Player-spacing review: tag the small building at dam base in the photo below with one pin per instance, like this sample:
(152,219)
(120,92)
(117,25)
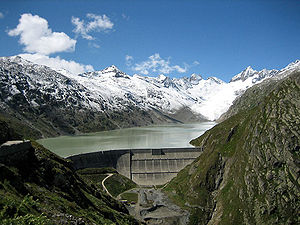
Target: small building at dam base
(143,166)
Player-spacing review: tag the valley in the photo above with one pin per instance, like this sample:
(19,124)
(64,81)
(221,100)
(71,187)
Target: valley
(254,148)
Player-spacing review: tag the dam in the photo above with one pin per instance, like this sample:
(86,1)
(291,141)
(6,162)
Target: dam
(143,166)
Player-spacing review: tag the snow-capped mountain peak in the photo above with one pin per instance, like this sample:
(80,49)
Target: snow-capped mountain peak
(161,77)
(245,74)
(293,65)
(195,78)
(111,68)
(216,80)
(111,71)
(166,81)
(17,59)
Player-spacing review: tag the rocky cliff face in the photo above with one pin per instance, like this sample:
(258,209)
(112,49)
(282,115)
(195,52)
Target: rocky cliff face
(249,170)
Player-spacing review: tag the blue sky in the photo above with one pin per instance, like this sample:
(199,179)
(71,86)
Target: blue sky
(212,38)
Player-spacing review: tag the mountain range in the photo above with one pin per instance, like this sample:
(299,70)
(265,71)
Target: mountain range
(53,102)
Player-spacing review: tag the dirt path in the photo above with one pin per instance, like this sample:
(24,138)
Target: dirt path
(103,185)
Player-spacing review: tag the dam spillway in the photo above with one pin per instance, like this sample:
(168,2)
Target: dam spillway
(143,166)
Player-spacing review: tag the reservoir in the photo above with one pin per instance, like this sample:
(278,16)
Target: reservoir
(162,136)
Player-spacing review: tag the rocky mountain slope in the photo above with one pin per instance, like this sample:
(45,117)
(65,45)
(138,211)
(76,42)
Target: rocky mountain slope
(249,171)
(38,187)
(48,103)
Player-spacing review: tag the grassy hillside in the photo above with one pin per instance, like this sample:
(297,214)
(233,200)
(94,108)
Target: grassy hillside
(38,187)
(116,184)
(249,170)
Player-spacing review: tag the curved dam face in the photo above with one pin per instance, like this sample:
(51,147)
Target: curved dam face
(143,166)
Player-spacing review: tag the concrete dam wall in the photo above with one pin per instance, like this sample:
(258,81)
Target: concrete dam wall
(143,166)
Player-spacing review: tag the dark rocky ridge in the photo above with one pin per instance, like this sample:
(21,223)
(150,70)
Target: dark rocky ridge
(249,170)
(7,133)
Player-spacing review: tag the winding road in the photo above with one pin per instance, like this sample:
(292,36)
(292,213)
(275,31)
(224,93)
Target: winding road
(103,185)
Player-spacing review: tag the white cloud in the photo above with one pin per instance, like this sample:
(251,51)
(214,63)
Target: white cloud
(1,15)
(93,45)
(155,63)
(80,28)
(128,59)
(57,63)
(125,17)
(38,37)
(97,23)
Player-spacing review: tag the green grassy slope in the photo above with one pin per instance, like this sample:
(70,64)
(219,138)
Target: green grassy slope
(116,184)
(249,170)
(41,188)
